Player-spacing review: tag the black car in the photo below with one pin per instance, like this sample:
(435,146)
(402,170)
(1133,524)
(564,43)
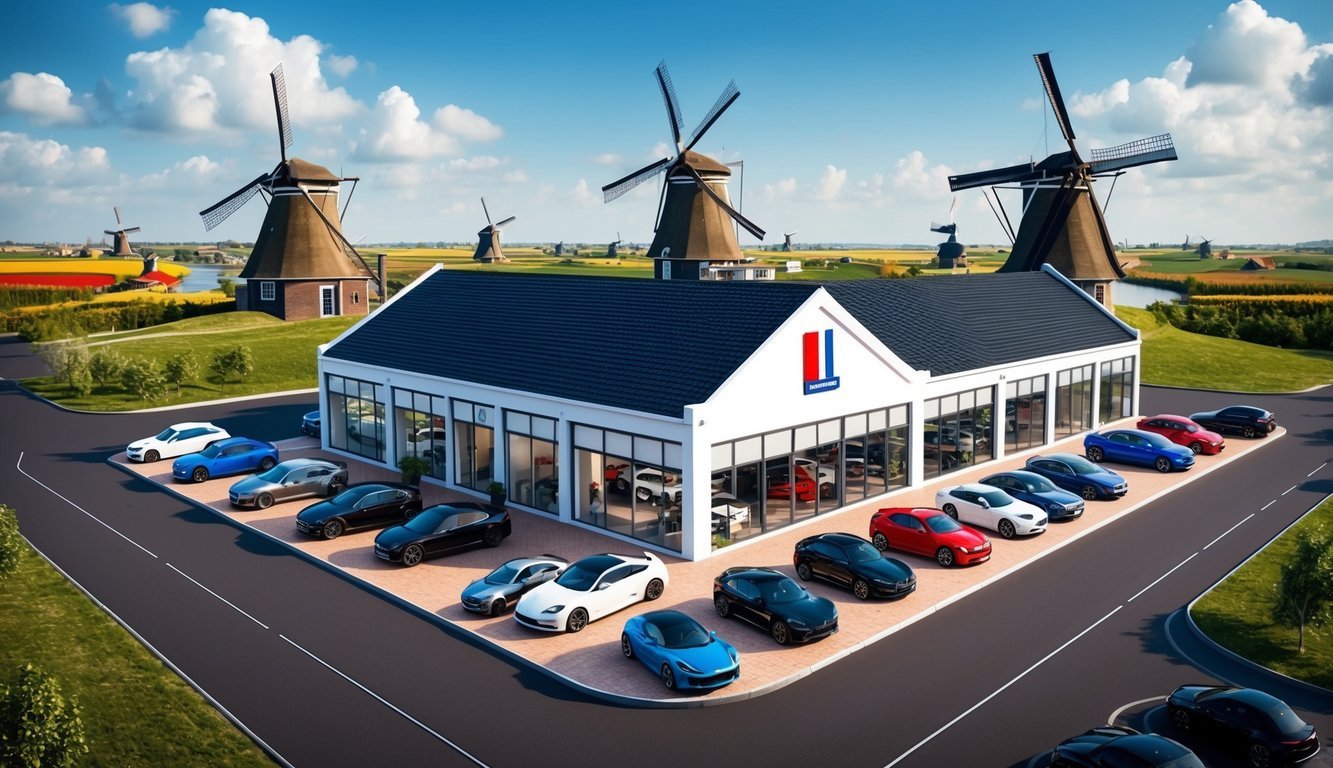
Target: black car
(775,603)
(442,529)
(852,562)
(1115,745)
(310,424)
(1244,420)
(1262,726)
(364,505)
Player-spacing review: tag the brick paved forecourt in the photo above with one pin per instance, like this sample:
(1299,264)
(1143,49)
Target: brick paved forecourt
(591,660)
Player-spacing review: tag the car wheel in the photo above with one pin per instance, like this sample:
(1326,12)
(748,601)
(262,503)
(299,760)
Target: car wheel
(264,500)
(412,555)
(410,513)
(1197,447)
(151,457)
(722,605)
(1181,719)
(861,588)
(944,556)
(493,536)
(781,632)
(881,542)
(622,484)
(1088,492)
(951,511)
(653,590)
(1162,464)
(1260,756)
(625,647)
(333,529)
(1006,529)
(1248,433)
(199,475)
(1096,454)
(803,570)
(578,619)
(826,491)
(497,606)
(642,494)
(266,463)
(668,677)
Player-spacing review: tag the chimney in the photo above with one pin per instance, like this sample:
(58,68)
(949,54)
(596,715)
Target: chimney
(149,265)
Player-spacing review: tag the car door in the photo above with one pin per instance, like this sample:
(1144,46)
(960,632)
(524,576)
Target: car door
(369,509)
(907,533)
(296,484)
(965,503)
(830,563)
(619,586)
(235,458)
(445,535)
(1057,472)
(746,602)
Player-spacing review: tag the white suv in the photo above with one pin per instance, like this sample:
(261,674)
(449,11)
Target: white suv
(823,475)
(652,485)
(176,440)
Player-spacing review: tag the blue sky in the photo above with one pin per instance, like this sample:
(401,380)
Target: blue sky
(851,116)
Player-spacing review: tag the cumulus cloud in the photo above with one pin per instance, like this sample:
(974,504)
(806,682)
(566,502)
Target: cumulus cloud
(466,124)
(43,97)
(190,173)
(607,158)
(395,132)
(917,177)
(1248,47)
(143,19)
(581,195)
(478,163)
(342,66)
(26,163)
(783,188)
(829,187)
(515,177)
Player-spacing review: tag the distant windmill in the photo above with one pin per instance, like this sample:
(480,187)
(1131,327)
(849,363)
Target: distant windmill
(786,239)
(694,213)
(611,247)
(560,248)
(1062,222)
(121,240)
(488,239)
(1186,245)
(951,253)
(1205,248)
(301,265)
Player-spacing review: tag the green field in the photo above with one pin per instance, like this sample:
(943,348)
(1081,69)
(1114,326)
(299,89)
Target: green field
(1182,264)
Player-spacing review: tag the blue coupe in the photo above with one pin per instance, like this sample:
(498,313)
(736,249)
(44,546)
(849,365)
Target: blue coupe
(677,648)
(1075,473)
(1039,492)
(1135,446)
(233,456)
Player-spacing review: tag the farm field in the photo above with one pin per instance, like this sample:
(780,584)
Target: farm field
(1177,265)
(64,272)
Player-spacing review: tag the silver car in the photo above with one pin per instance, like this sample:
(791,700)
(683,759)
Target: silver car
(291,479)
(501,588)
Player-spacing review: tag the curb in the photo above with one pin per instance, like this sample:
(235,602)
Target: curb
(1307,390)
(180,406)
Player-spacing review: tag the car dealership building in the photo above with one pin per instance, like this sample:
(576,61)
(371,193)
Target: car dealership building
(685,416)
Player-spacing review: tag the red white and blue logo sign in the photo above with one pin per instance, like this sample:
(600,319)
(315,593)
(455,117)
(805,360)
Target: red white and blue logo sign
(817,354)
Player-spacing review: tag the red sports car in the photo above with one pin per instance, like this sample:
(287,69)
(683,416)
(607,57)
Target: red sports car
(929,532)
(780,485)
(1183,431)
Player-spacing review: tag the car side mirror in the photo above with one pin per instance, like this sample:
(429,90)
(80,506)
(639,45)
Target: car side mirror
(602,586)
(984,504)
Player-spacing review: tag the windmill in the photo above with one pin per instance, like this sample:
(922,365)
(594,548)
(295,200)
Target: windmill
(120,236)
(951,253)
(1205,248)
(488,239)
(559,247)
(1062,222)
(786,239)
(301,265)
(694,221)
(1186,245)
(611,248)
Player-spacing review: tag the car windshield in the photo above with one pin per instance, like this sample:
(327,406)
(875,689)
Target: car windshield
(1038,484)
(863,553)
(275,474)
(503,575)
(778,591)
(1192,428)
(583,574)
(351,496)
(680,631)
(997,498)
(942,524)
(427,521)
(210,451)
(1082,466)
(166,434)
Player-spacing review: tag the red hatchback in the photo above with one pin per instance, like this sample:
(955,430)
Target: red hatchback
(780,485)
(929,532)
(1182,431)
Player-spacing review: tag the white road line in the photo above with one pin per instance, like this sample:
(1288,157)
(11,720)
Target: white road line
(1269,504)
(1121,710)
(220,597)
(1289,490)
(1321,466)
(1002,688)
(19,467)
(1232,528)
(1163,576)
(386,703)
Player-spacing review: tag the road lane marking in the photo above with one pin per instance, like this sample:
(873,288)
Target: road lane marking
(1269,504)
(1316,469)
(1163,576)
(220,597)
(19,467)
(1289,490)
(1232,528)
(390,705)
(1120,711)
(1002,688)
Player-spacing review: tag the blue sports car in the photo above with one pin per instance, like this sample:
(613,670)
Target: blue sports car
(1135,446)
(679,649)
(233,456)
(1077,474)
(1039,492)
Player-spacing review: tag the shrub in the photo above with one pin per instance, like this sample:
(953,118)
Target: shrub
(236,361)
(11,543)
(104,367)
(68,362)
(38,725)
(142,378)
(181,368)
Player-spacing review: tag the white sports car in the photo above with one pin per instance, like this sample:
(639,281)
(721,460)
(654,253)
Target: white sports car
(175,440)
(989,507)
(591,588)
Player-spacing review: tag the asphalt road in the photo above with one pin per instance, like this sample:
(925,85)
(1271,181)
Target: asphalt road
(325,673)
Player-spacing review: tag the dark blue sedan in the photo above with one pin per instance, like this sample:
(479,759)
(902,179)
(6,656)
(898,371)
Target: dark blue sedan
(233,456)
(1075,473)
(1135,446)
(679,650)
(1038,491)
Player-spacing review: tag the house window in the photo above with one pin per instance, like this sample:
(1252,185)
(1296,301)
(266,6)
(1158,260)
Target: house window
(326,302)
(1099,293)
(268,291)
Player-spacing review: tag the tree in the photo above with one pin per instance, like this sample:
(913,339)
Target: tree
(142,378)
(68,361)
(181,368)
(1305,589)
(38,725)
(104,367)
(235,361)
(11,543)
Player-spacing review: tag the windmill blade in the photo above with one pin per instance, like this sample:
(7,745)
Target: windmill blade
(947,229)
(338,236)
(111,231)
(621,186)
(1154,149)
(672,103)
(1014,173)
(728,97)
(748,225)
(953,206)
(280,104)
(221,210)
(488,213)
(507,221)
(131,229)
(116,208)
(1057,101)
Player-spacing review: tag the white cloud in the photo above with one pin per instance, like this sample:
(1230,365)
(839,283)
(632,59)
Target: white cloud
(660,150)
(914,175)
(188,174)
(394,131)
(42,97)
(1248,47)
(144,19)
(581,195)
(783,188)
(830,185)
(26,163)
(515,177)
(342,66)
(466,124)
(607,158)
(478,163)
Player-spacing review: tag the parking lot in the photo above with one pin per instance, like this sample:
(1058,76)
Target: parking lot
(591,659)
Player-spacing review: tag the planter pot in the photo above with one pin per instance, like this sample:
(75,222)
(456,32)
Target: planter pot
(497,499)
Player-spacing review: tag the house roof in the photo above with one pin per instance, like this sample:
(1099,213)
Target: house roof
(158,276)
(656,346)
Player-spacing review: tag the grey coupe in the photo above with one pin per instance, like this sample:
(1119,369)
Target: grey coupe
(291,479)
(494,593)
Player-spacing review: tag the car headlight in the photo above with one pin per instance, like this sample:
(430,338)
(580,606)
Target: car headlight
(796,623)
(687,668)
(554,609)
(1025,516)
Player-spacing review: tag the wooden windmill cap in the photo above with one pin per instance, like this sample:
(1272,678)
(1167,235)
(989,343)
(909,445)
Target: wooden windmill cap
(701,163)
(302,170)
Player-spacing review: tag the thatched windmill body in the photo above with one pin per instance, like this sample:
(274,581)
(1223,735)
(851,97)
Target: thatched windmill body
(489,250)
(301,266)
(695,215)
(1062,223)
(120,242)
(611,252)
(1205,248)
(786,239)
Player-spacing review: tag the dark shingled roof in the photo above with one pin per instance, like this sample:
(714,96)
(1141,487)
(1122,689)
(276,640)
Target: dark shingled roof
(656,346)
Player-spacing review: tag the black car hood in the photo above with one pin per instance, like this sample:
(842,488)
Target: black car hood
(395,537)
(810,612)
(887,568)
(319,512)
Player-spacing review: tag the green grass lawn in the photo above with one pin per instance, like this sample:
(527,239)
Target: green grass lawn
(1236,613)
(1172,357)
(136,711)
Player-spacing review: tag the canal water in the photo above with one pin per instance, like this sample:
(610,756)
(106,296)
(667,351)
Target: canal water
(1131,295)
(204,277)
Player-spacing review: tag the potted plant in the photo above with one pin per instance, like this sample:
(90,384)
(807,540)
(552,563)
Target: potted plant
(413,468)
(497,491)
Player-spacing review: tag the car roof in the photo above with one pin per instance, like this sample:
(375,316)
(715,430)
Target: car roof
(753,573)
(306,462)
(233,440)
(1168,416)
(523,562)
(1058,456)
(184,425)
(844,539)
(1021,474)
(1255,698)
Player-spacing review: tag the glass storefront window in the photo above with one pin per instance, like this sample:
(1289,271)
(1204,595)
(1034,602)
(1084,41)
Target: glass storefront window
(1073,401)
(638,487)
(420,429)
(474,444)
(1117,390)
(533,461)
(356,417)
(1025,414)
(958,435)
